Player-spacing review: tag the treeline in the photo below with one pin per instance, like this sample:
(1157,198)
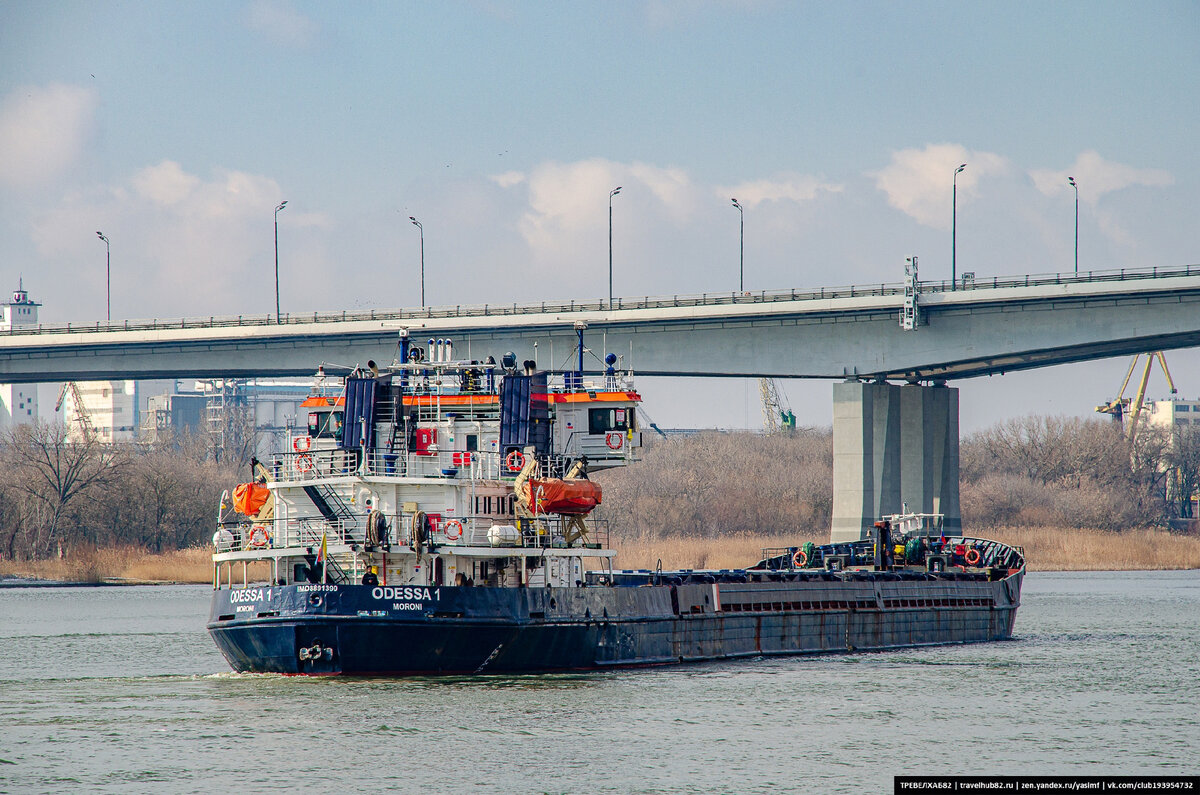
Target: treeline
(57,494)
(1069,472)
(1029,472)
(713,484)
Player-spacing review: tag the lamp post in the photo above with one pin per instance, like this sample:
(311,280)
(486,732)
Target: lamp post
(417,224)
(611,193)
(277,209)
(741,246)
(107,274)
(1076,187)
(954,233)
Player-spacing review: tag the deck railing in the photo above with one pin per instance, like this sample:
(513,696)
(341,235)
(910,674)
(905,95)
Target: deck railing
(602,305)
(547,531)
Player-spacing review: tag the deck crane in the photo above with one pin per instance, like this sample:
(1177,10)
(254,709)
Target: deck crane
(81,412)
(1121,406)
(777,414)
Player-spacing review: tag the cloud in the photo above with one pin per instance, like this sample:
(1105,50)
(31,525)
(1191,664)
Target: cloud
(918,182)
(165,183)
(1097,177)
(565,198)
(784,187)
(281,23)
(508,179)
(42,131)
(182,244)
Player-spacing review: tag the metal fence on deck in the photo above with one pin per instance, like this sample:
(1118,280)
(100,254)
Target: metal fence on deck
(544,532)
(601,305)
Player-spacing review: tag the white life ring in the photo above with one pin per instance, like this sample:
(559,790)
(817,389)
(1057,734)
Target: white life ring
(301,444)
(614,440)
(453,530)
(304,463)
(259,537)
(515,461)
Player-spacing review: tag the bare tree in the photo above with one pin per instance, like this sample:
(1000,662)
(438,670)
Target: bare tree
(1183,458)
(55,473)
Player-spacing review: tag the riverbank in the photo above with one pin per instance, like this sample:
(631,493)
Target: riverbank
(1046,549)
(115,566)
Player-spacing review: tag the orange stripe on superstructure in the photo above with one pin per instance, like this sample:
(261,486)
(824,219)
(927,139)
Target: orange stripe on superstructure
(594,397)
(488,400)
(322,402)
(451,400)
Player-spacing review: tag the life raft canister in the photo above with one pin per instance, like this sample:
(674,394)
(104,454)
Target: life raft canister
(453,530)
(614,440)
(514,461)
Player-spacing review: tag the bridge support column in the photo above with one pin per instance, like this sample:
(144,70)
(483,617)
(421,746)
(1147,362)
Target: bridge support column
(893,445)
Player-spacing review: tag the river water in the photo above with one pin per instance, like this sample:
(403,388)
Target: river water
(121,690)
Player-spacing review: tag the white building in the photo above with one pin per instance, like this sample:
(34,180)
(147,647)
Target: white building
(111,408)
(1173,413)
(18,402)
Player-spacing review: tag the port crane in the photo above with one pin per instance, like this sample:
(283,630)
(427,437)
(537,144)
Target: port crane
(1121,407)
(777,414)
(81,412)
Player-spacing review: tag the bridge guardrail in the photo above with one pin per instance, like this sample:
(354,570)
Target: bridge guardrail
(601,305)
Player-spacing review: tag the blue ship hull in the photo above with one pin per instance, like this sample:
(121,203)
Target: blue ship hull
(402,630)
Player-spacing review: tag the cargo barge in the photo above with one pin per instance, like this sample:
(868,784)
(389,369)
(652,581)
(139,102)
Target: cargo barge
(437,517)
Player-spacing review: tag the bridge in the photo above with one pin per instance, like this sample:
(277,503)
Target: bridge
(893,444)
(983,327)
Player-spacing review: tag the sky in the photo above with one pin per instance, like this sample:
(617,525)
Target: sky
(177,128)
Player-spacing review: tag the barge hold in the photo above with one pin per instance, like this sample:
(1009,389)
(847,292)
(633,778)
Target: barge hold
(436,517)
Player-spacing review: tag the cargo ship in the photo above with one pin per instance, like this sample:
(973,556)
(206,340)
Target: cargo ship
(437,516)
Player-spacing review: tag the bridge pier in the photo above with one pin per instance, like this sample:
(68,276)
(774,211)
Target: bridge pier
(893,446)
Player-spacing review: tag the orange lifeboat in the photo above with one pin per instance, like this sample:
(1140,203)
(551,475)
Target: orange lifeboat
(572,497)
(248,498)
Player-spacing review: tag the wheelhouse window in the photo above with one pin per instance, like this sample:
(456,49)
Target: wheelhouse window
(325,424)
(613,419)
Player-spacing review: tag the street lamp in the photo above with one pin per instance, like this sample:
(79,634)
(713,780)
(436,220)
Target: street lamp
(954,233)
(107,274)
(741,247)
(611,193)
(1076,187)
(417,224)
(277,209)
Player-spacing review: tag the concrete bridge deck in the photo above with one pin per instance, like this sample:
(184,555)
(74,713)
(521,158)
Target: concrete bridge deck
(989,326)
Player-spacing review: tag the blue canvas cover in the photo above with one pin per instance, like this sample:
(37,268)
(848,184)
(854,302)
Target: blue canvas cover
(360,414)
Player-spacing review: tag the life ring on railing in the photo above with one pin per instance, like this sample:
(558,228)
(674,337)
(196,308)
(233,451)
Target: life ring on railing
(259,537)
(614,440)
(453,530)
(799,560)
(304,463)
(973,557)
(515,461)
(301,444)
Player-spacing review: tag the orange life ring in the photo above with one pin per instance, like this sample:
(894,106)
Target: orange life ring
(259,537)
(799,560)
(614,440)
(973,557)
(301,444)
(453,530)
(515,461)
(305,463)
